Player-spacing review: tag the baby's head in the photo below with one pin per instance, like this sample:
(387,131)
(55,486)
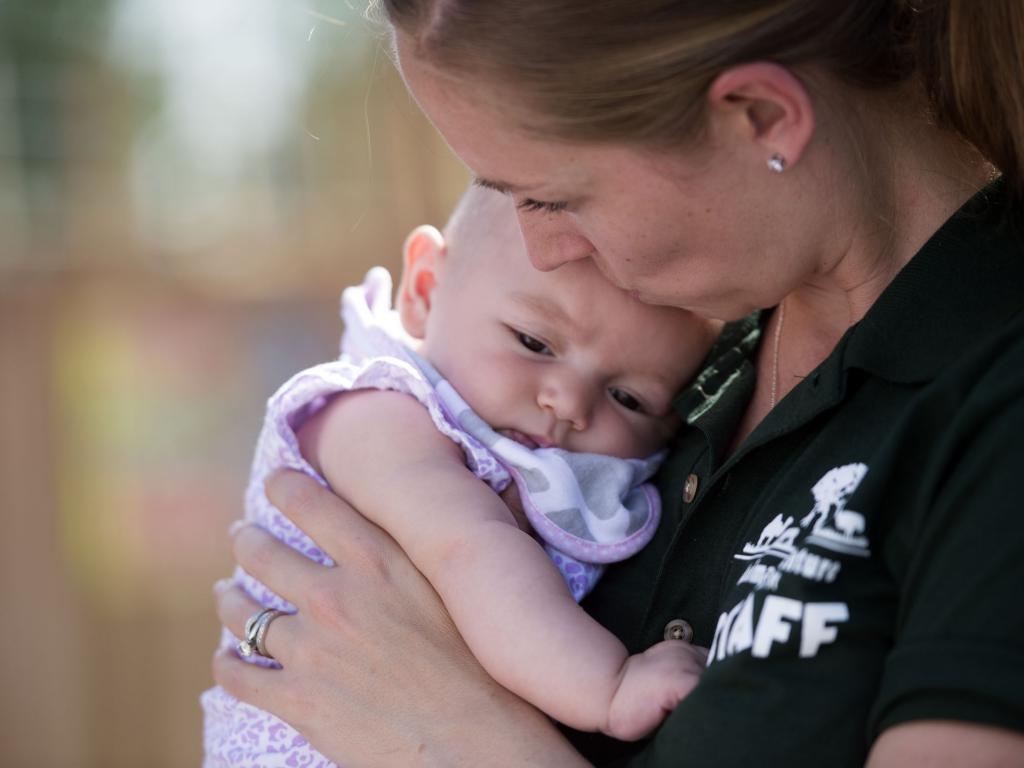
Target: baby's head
(560,358)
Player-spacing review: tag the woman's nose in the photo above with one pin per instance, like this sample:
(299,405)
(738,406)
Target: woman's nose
(551,241)
(568,398)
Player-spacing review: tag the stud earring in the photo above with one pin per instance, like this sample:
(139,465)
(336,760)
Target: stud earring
(777,163)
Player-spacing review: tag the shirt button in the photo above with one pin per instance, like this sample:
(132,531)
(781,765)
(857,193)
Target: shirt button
(677,629)
(690,488)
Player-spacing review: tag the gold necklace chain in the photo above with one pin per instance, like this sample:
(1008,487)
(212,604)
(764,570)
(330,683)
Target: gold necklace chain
(775,352)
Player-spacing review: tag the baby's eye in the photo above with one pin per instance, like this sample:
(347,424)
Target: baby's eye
(532,344)
(625,399)
(528,204)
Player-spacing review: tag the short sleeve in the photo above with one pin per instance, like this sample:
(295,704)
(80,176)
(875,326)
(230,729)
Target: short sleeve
(959,642)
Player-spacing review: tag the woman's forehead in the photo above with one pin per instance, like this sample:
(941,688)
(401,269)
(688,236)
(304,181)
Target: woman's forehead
(477,121)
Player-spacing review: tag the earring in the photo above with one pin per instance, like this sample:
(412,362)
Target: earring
(777,163)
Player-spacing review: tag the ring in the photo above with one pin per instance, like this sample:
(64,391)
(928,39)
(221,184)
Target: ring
(260,631)
(246,646)
(256,633)
(251,622)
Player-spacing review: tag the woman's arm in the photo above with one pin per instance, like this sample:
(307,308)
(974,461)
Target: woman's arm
(374,672)
(947,744)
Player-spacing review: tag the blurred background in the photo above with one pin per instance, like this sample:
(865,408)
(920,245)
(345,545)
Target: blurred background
(185,187)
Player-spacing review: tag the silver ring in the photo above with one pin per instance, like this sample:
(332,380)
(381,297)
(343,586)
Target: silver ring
(251,622)
(261,631)
(255,632)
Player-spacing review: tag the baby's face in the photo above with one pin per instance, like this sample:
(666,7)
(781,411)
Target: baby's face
(560,358)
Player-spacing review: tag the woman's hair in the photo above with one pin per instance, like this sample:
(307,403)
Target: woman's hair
(634,70)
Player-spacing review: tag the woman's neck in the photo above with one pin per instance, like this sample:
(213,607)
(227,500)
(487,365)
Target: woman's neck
(912,179)
(876,230)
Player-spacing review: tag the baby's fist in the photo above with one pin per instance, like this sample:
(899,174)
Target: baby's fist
(652,684)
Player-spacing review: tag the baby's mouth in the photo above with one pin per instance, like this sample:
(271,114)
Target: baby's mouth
(520,437)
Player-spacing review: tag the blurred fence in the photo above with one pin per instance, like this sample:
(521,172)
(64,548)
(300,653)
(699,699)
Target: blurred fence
(184,189)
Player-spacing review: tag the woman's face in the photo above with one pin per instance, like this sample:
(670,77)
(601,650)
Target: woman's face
(687,229)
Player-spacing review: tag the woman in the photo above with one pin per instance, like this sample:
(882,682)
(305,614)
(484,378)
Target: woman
(840,526)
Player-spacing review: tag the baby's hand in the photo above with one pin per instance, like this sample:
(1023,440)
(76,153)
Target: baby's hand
(652,684)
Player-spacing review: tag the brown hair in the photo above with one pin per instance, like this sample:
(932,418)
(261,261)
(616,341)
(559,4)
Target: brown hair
(634,70)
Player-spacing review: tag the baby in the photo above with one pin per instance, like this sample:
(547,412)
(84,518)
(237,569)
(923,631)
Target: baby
(567,384)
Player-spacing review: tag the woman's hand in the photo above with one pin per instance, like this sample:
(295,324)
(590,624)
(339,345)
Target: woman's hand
(374,672)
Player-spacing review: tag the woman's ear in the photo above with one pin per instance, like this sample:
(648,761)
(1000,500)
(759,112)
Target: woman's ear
(422,256)
(766,104)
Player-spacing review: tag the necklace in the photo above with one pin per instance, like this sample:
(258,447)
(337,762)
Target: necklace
(775,352)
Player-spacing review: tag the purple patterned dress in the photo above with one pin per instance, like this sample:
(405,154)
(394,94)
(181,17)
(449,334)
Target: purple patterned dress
(589,510)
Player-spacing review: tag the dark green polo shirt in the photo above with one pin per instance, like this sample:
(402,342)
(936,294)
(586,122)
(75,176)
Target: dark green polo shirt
(859,561)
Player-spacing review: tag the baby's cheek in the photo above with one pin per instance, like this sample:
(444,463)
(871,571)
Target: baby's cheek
(494,389)
(645,437)
(611,433)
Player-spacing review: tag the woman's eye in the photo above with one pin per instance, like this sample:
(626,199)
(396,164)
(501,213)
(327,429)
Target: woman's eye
(529,204)
(533,344)
(624,399)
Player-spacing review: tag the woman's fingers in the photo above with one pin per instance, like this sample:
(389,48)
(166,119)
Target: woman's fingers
(235,608)
(286,571)
(248,682)
(337,528)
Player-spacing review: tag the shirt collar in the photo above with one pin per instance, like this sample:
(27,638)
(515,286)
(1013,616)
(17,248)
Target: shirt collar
(966,280)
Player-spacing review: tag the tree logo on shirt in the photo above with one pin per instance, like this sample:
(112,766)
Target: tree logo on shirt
(783,548)
(829,524)
(833,525)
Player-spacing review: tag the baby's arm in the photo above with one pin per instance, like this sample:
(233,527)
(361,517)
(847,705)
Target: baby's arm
(381,451)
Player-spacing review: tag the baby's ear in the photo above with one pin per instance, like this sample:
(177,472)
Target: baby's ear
(423,254)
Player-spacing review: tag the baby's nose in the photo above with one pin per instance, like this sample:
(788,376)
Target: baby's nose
(569,398)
